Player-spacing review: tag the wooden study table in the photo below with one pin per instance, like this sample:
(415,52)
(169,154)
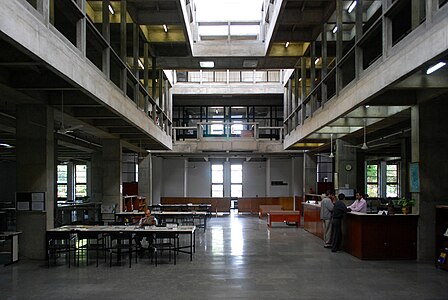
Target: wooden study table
(181,215)
(179,230)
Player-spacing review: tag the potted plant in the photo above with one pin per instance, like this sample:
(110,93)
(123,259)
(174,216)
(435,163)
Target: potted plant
(406,204)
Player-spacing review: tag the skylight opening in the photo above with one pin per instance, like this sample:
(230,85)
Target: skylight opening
(224,11)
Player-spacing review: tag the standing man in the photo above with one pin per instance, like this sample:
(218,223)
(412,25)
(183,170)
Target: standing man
(360,205)
(326,208)
(339,211)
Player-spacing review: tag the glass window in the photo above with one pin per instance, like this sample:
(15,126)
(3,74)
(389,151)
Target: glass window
(392,180)
(372,180)
(237,190)
(62,181)
(217,173)
(62,173)
(217,190)
(236,180)
(80,181)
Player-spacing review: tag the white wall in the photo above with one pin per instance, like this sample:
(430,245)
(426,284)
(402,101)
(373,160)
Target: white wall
(281,171)
(169,180)
(198,179)
(157,174)
(173,177)
(254,179)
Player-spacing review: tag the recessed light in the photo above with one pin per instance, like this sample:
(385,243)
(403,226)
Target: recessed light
(111,9)
(316,61)
(140,64)
(207,64)
(286,44)
(367,106)
(435,67)
(335,28)
(352,7)
(165,28)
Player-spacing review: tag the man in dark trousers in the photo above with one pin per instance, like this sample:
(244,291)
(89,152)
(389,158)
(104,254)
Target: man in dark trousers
(339,210)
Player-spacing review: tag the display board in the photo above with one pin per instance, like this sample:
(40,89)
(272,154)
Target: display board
(30,201)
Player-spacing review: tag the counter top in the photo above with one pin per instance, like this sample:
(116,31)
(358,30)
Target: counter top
(376,214)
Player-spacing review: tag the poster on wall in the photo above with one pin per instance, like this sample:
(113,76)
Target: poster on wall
(414,177)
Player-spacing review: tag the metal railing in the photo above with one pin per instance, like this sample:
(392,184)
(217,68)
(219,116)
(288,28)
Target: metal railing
(228,130)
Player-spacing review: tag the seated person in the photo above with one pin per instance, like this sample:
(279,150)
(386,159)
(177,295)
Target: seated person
(147,220)
(360,205)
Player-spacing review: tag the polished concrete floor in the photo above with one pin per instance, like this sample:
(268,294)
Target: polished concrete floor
(238,257)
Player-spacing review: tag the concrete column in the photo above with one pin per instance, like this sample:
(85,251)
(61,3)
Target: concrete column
(43,7)
(295,101)
(303,95)
(226,173)
(309,172)
(145,178)
(106,35)
(185,177)
(123,45)
(71,181)
(345,156)
(339,36)
(358,35)
(35,151)
(268,177)
(387,31)
(146,75)
(324,60)
(96,178)
(81,29)
(112,181)
(136,56)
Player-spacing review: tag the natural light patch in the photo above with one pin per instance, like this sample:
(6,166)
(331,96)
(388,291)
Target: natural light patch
(234,19)
(228,10)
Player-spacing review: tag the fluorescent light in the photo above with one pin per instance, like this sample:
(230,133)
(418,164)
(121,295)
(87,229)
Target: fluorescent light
(300,79)
(367,106)
(335,28)
(287,45)
(317,60)
(111,9)
(5,145)
(165,28)
(140,64)
(352,7)
(435,67)
(207,64)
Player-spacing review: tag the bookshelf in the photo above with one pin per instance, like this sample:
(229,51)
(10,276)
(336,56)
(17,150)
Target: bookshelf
(441,256)
(134,202)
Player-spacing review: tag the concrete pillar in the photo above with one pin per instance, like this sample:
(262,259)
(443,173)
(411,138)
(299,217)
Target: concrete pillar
(71,181)
(112,182)
(309,172)
(35,173)
(185,177)
(324,60)
(145,178)
(136,56)
(358,35)
(303,95)
(344,175)
(339,36)
(146,74)
(226,174)
(106,35)
(43,7)
(123,45)
(96,178)
(81,29)
(268,177)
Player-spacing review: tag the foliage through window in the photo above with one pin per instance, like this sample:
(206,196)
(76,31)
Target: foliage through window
(62,171)
(372,180)
(80,181)
(392,181)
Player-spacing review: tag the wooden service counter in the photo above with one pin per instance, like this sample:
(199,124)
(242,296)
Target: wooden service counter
(372,236)
(311,219)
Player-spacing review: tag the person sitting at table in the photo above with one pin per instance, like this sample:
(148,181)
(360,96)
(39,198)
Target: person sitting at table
(147,220)
(360,205)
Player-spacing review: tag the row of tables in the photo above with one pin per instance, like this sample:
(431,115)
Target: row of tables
(166,231)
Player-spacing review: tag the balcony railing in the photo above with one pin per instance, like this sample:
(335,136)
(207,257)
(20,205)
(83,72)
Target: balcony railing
(227,131)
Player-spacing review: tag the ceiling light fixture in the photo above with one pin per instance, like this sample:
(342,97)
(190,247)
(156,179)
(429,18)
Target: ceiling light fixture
(435,67)
(335,28)
(286,44)
(111,9)
(317,60)
(5,145)
(300,79)
(352,6)
(367,106)
(207,64)
(165,28)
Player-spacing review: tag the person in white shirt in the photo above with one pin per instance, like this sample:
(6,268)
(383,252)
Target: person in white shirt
(360,205)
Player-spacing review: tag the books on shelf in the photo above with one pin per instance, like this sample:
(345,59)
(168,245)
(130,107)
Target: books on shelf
(442,257)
